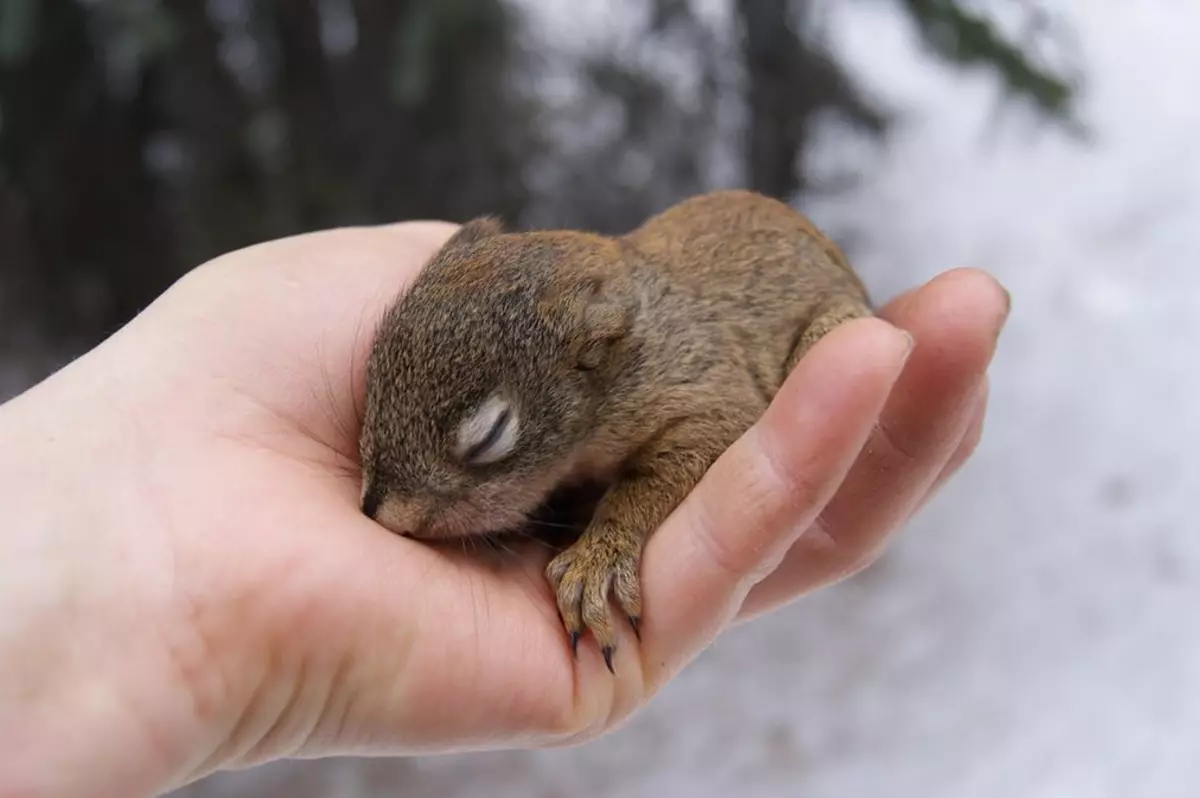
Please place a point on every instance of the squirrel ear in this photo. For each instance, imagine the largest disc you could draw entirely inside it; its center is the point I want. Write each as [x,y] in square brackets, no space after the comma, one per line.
[606,318]
[475,230]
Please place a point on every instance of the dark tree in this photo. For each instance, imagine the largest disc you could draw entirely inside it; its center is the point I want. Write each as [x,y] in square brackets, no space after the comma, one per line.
[138,139]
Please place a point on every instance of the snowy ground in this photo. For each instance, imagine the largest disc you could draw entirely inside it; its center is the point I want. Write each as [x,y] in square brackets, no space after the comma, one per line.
[1028,635]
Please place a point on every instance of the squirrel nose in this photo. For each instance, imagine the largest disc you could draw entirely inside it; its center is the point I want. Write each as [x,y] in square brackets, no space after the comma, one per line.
[372,498]
[372,503]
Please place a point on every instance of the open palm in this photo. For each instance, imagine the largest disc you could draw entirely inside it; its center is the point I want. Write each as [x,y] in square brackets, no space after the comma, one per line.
[296,626]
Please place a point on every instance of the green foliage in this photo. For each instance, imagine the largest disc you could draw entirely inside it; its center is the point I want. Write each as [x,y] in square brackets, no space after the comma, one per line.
[428,31]
[968,39]
[139,137]
[17,30]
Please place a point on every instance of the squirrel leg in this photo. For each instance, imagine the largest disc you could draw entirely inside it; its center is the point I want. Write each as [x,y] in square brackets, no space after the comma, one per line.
[829,315]
[607,557]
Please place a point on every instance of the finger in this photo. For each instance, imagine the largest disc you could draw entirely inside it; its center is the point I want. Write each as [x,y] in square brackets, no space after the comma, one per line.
[769,486]
[955,321]
[963,451]
[967,445]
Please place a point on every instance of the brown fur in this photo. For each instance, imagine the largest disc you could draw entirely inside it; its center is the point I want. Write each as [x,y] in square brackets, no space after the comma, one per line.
[635,361]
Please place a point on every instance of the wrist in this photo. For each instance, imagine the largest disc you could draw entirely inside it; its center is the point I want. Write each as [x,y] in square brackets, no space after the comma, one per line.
[93,694]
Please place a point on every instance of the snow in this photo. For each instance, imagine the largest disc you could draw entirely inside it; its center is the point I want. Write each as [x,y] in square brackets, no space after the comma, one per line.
[1028,634]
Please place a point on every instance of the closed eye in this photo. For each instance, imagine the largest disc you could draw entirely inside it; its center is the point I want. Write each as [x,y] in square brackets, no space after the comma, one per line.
[490,434]
[491,441]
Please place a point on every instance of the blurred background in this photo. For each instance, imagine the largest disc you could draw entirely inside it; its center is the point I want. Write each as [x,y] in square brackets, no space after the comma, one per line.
[1028,633]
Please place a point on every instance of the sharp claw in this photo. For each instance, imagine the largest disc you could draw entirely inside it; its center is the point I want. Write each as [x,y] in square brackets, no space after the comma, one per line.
[636,623]
[608,655]
[575,644]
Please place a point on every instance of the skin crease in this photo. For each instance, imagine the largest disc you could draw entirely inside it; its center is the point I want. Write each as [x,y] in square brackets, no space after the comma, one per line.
[198,589]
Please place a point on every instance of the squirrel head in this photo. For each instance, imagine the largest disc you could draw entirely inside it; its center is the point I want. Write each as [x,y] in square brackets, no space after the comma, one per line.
[485,378]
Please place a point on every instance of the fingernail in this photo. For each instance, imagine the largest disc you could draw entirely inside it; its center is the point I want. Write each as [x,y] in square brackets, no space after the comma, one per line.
[1007,310]
[909,343]
[981,391]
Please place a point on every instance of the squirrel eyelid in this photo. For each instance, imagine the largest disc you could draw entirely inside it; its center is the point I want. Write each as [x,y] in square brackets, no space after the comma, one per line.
[478,451]
[490,434]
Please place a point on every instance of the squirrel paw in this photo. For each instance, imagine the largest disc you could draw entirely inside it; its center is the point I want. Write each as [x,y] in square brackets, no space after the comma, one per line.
[585,575]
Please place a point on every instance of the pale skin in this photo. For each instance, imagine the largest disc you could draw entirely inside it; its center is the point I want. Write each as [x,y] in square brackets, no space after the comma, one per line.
[189,585]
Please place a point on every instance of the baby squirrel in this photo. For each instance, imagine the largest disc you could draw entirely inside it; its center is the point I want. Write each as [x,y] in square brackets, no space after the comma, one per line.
[519,363]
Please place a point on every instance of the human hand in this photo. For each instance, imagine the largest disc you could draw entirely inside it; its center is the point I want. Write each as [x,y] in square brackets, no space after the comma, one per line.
[189,584]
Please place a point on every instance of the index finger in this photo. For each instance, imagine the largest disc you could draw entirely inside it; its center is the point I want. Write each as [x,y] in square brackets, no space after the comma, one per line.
[763,491]
[956,320]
